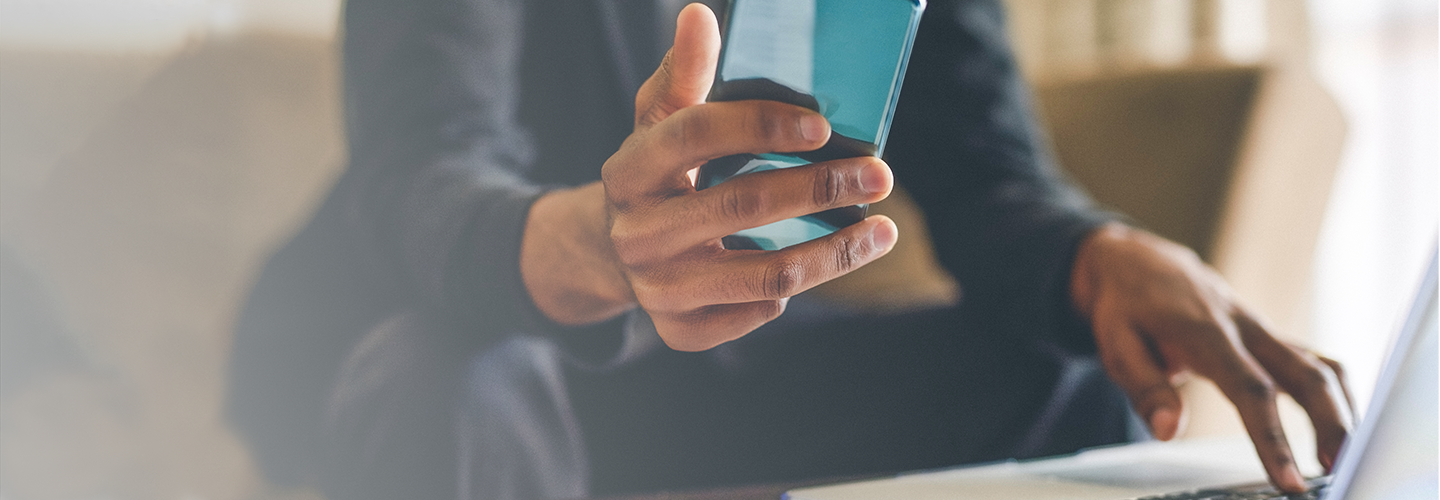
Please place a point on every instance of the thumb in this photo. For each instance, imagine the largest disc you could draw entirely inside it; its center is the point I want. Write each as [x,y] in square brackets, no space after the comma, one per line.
[1134,367]
[685,76]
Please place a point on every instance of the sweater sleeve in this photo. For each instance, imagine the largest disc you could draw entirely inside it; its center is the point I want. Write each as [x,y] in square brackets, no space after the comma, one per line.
[439,178]
[965,143]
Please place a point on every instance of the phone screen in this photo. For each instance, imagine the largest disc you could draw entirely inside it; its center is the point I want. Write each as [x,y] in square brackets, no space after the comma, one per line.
[842,58]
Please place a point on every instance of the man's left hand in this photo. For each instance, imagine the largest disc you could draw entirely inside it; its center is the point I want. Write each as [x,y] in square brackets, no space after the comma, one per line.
[1158,312]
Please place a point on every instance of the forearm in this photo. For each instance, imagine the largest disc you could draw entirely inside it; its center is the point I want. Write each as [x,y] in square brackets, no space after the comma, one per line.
[437,182]
[965,144]
[1014,265]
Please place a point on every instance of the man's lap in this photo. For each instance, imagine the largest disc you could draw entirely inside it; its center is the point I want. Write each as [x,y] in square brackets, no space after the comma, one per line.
[796,399]
[829,398]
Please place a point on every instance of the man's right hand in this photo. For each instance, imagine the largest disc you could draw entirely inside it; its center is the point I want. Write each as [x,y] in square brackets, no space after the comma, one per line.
[645,235]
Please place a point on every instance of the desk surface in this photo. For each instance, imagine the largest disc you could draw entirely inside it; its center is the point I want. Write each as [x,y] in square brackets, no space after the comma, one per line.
[753,492]
[762,492]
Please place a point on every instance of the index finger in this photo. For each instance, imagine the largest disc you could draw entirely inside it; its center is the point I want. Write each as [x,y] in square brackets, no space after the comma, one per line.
[1253,392]
[713,130]
[654,161]
[1311,382]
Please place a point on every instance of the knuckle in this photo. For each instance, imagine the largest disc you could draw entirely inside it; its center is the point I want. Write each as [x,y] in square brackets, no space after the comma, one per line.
[1275,437]
[617,176]
[766,123]
[627,247]
[829,187]
[689,132]
[1256,389]
[609,172]
[636,249]
[1335,367]
[703,328]
[1199,320]
[1152,393]
[1313,376]
[850,254]
[681,332]
[783,278]
[742,205]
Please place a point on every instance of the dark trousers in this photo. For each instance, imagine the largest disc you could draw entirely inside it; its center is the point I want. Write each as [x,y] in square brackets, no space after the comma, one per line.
[800,398]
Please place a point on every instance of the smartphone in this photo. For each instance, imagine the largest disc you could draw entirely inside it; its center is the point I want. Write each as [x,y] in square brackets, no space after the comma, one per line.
[842,58]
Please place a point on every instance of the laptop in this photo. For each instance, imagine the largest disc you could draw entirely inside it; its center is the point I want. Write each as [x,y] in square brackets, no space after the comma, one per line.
[1390,455]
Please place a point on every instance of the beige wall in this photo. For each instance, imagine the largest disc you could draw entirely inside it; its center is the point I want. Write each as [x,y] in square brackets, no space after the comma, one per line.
[145,183]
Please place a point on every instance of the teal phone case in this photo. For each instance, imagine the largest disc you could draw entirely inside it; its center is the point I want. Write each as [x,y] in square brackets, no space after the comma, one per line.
[842,58]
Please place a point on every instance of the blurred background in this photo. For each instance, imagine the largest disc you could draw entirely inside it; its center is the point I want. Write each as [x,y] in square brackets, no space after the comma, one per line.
[153,152]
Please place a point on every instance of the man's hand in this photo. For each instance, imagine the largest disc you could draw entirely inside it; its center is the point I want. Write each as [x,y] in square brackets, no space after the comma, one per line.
[1158,311]
[644,234]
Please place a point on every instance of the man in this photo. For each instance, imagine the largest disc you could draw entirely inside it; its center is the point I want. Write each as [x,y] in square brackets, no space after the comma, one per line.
[474,310]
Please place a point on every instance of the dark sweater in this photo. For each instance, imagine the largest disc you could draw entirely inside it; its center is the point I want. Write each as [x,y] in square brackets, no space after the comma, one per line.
[460,114]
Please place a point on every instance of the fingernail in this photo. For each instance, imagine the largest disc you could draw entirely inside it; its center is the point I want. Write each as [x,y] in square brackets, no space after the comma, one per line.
[883,236]
[813,127]
[1163,423]
[873,178]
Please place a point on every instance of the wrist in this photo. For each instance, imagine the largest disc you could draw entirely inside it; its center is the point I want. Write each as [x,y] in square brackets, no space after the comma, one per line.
[1087,270]
[567,261]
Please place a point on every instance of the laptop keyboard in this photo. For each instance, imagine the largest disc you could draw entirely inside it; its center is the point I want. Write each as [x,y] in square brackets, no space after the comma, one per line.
[1250,492]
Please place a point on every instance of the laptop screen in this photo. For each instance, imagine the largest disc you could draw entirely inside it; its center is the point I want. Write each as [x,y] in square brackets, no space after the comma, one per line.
[1397,445]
